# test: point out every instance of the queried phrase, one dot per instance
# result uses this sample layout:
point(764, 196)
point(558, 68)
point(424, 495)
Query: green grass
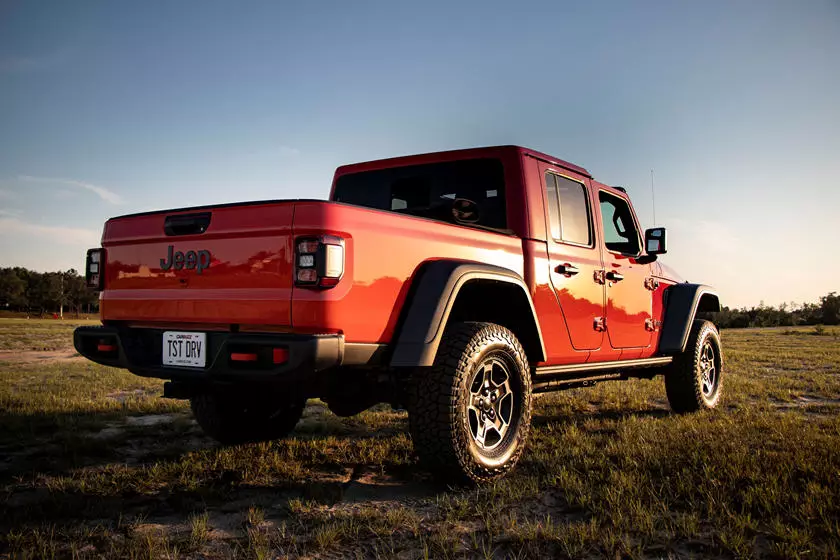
point(38, 334)
point(94, 464)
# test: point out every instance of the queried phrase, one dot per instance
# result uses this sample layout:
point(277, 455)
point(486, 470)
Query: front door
point(573, 255)
point(629, 302)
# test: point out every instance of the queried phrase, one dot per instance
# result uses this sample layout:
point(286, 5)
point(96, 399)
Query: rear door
point(574, 255)
point(629, 301)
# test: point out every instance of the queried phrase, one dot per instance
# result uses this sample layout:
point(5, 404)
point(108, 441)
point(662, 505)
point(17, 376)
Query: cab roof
point(450, 155)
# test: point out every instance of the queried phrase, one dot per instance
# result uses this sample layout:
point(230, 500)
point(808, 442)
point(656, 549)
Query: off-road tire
point(439, 419)
point(684, 379)
point(231, 419)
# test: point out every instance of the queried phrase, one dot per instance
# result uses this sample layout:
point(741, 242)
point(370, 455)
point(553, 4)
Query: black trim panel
point(618, 365)
point(682, 305)
point(363, 354)
point(434, 294)
point(139, 351)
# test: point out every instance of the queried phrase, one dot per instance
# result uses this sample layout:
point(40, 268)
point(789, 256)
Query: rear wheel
point(471, 411)
point(695, 379)
point(234, 419)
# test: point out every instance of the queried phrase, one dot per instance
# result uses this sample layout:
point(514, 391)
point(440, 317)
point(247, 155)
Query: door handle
point(567, 269)
point(614, 276)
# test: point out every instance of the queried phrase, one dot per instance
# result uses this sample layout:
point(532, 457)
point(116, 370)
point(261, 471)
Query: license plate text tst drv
point(186, 349)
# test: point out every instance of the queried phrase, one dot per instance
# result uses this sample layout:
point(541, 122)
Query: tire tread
point(434, 421)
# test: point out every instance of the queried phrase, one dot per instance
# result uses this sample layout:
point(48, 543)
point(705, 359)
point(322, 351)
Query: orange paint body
point(249, 284)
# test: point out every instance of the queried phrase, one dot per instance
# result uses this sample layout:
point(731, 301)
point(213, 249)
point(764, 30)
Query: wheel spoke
point(488, 375)
point(473, 408)
point(708, 369)
point(490, 403)
point(503, 412)
point(499, 433)
point(481, 434)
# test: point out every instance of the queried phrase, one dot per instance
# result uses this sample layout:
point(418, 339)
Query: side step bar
point(550, 378)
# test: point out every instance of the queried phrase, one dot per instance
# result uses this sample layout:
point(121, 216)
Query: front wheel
point(471, 411)
point(695, 379)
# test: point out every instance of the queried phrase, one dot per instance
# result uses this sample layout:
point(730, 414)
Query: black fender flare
point(431, 298)
point(682, 303)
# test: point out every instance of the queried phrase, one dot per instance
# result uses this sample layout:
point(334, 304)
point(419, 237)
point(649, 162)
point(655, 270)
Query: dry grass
point(38, 334)
point(94, 465)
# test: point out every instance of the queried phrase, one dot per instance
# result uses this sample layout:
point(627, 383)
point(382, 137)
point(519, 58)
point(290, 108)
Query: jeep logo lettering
point(198, 260)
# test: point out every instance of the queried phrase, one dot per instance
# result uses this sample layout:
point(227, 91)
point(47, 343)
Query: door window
point(620, 233)
point(568, 209)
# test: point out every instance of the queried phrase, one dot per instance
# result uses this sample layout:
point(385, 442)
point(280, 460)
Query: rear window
point(434, 190)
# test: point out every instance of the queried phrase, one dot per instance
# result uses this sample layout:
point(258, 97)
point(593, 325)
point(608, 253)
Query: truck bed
point(249, 280)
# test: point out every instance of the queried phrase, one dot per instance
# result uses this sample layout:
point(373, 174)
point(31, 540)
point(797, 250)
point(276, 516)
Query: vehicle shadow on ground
point(541, 419)
point(29, 456)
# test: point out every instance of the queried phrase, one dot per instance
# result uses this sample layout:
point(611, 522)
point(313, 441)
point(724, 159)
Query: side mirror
point(655, 241)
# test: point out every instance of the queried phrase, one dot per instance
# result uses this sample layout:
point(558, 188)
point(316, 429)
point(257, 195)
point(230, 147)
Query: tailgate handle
point(186, 224)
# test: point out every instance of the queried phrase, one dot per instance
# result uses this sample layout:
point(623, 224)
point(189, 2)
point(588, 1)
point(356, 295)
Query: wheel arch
point(445, 291)
point(683, 303)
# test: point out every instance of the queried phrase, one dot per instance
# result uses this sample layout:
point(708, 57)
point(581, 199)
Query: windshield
point(468, 192)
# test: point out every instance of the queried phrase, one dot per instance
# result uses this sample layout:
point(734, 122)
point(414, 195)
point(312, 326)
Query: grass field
point(94, 464)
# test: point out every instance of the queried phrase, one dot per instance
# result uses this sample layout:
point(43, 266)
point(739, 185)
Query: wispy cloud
point(288, 151)
point(15, 227)
point(10, 212)
point(105, 194)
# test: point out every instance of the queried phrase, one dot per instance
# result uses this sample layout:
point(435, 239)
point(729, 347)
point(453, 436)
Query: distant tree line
point(826, 312)
point(38, 293)
point(23, 290)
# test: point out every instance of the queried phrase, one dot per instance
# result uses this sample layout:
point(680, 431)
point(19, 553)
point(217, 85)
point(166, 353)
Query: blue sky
point(115, 107)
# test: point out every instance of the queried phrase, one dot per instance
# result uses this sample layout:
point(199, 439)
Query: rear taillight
point(319, 261)
point(95, 269)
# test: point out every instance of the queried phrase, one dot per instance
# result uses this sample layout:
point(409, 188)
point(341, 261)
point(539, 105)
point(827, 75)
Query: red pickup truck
point(454, 284)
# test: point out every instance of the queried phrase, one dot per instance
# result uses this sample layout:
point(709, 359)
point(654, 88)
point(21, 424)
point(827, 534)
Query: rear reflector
point(106, 347)
point(243, 357)
point(307, 276)
point(280, 355)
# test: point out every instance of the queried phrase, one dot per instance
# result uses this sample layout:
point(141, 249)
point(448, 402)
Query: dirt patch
point(807, 401)
point(372, 485)
point(151, 419)
point(38, 356)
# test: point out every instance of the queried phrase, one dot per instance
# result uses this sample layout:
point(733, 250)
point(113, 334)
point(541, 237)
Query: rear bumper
point(140, 351)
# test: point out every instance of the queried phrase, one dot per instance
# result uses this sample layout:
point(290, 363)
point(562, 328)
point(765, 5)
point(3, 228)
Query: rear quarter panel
point(383, 252)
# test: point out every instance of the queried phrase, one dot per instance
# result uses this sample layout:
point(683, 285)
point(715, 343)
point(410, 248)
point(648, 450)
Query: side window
point(620, 233)
point(553, 205)
point(568, 209)
point(574, 212)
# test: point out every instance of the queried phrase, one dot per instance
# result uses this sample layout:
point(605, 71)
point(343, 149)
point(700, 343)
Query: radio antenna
point(652, 198)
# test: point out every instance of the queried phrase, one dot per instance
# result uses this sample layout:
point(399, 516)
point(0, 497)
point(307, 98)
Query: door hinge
point(600, 276)
point(600, 324)
point(652, 325)
point(651, 283)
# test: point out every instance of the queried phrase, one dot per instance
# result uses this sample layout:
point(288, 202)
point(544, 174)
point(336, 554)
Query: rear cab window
point(570, 219)
point(465, 192)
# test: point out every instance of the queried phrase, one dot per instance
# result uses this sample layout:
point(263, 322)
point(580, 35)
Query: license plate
point(188, 349)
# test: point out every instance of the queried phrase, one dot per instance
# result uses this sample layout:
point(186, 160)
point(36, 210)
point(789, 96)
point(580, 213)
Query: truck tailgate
point(224, 265)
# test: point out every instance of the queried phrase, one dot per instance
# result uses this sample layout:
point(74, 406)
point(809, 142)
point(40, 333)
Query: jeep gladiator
point(456, 285)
